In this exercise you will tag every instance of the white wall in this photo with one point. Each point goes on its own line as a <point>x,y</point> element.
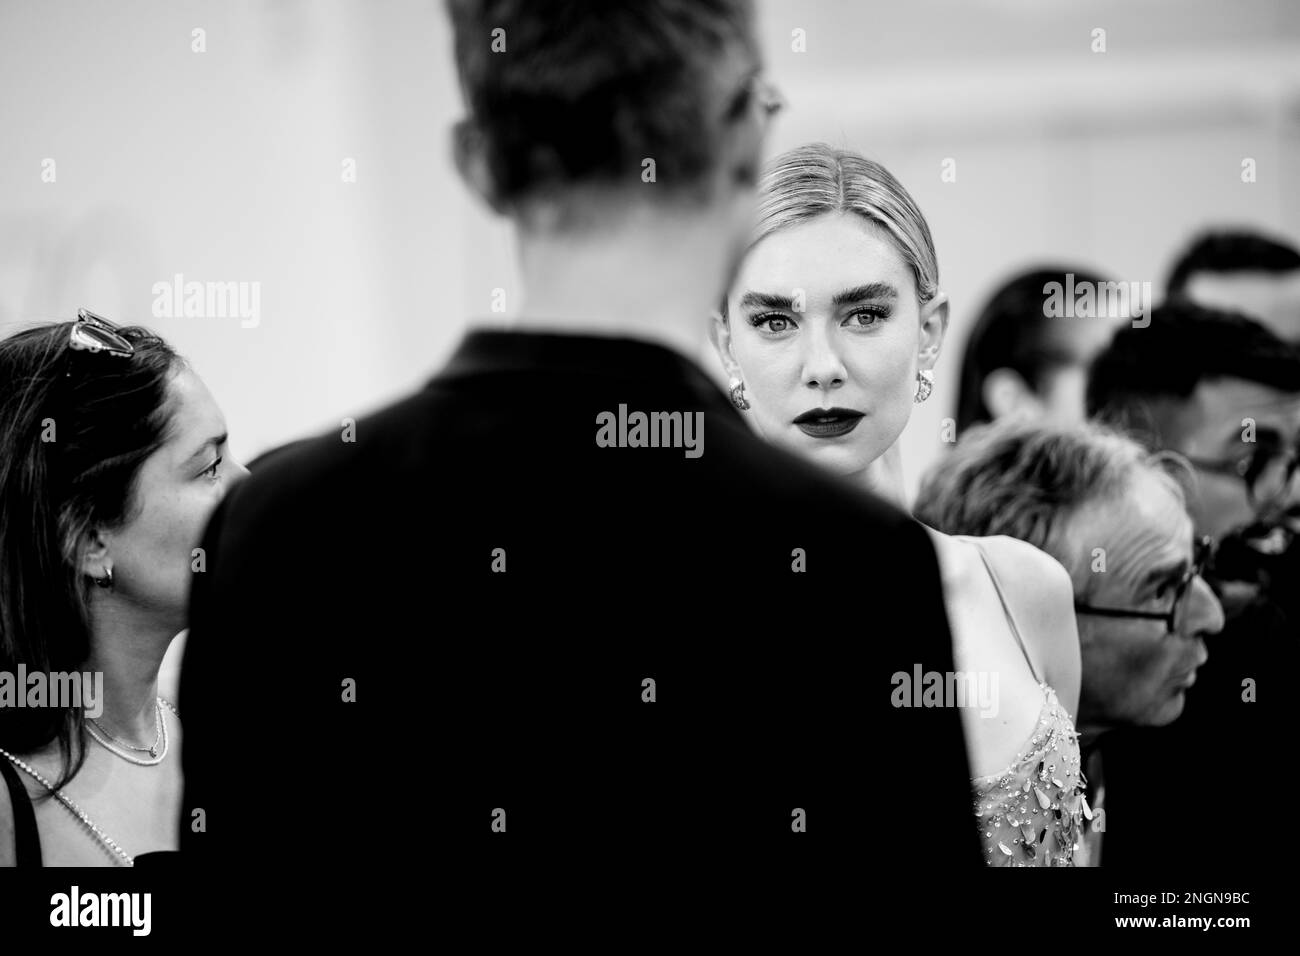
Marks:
<point>227,166</point>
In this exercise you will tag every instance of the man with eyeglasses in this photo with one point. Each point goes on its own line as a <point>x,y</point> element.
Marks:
<point>1116,519</point>
<point>1220,394</point>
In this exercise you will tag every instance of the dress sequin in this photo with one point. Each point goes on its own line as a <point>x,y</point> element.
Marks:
<point>1031,813</point>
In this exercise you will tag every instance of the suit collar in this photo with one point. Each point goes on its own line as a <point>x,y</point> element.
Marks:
<point>492,351</point>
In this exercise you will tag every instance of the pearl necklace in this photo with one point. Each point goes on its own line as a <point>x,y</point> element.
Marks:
<point>108,741</point>
<point>104,839</point>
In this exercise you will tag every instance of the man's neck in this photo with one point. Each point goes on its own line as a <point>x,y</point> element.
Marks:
<point>645,282</point>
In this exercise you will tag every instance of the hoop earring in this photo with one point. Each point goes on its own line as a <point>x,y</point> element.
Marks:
<point>924,385</point>
<point>107,580</point>
<point>737,391</point>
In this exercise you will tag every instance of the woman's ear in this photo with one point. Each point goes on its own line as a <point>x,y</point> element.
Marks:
<point>720,336</point>
<point>934,325</point>
<point>96,553</point>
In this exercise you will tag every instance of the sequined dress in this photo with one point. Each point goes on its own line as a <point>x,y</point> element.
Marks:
<point>1033,812</point>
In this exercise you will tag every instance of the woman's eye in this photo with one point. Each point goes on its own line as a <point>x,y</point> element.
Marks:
<point>211,471</point>
<point>773,322</point>
<point>866,318</point>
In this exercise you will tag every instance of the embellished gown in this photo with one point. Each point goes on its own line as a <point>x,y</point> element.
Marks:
<point>1033,812</point>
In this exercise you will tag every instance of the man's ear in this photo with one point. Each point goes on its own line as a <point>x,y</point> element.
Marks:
<point>470,153</point>
<point>1006,394</point>
<point>934,325</point>
<point>720,336</point>
<point>96,553</point>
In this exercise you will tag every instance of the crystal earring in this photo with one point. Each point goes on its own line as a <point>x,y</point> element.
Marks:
<point>107,580</point>
<point>924,385</point>
<point>737,390</point>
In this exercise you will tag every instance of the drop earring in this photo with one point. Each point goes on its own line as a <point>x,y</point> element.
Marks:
<point>737,391</point>
<point>924,385</point>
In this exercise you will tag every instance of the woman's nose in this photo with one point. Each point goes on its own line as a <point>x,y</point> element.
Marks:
<point>823,367</point>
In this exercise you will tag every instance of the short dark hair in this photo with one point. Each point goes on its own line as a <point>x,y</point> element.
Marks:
<point>109,414</point>
<point>1183,345</point>
<point>1012,332</point>
<point>1230,251</point>
<point>586,90</point>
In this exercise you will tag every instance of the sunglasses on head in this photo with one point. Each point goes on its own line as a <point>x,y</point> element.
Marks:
<point>97,335</point>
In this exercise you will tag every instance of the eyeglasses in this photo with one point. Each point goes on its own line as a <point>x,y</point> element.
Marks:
<point>1203,553</point>
<point>94,333</point>
<point>1273,463</point>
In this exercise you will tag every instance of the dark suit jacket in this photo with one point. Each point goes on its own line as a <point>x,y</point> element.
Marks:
<point>1166,787</point>
<point>477,688</point>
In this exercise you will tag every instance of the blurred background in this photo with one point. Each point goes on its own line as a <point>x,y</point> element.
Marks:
<point>303,146</point>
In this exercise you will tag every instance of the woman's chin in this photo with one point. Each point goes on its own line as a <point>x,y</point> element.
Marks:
<point>838,458</point>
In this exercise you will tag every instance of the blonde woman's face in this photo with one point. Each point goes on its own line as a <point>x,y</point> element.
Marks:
<point>824,328</point>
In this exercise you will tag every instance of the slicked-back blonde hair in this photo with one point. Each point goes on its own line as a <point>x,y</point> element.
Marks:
<point>812,180</point>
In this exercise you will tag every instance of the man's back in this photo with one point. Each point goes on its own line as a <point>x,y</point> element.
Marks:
<point>621,648</point>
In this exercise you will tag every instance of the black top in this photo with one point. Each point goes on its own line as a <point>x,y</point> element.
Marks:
<point>27,840</point>
<point>522,689</point>
<point>1166,809</point>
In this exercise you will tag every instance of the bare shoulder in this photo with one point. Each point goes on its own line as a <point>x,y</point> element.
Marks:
<point>1023,563</point>
<point>1037,585</point>
<point>1041,596</point>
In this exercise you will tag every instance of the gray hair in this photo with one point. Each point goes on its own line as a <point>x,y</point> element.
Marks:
<point>1027,480</point>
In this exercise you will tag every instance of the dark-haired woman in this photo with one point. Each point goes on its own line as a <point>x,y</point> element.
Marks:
<point>112,457</point>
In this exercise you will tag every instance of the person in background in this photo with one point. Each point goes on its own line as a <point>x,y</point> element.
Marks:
<point>1242,271</point>
<point>1019,361</point>
<point>1111,513</point>
<point>1222,393</point>
<point>113,455</point>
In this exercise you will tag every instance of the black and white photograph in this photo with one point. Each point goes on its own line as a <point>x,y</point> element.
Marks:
<point>579,472</point>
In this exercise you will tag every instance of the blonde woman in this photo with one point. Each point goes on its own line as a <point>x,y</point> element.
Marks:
<point>830,333</point>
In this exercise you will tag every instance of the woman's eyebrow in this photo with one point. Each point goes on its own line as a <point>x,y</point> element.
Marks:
<point>862,293</point>
<point>216,441</point>
<point>872,290</point>
<point>766,300</point>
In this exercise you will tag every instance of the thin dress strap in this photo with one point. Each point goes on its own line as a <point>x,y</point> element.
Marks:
<point>1006,608</point>
<point>27,840</point>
